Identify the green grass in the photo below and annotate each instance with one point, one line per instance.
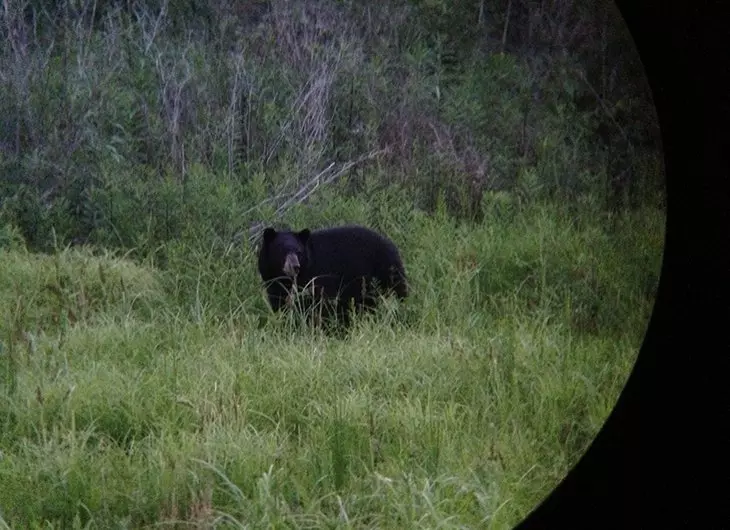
(172, 398)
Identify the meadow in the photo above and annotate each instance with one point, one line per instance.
(140, 393)
(510, 149)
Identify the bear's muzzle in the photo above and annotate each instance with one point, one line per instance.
(291, 265)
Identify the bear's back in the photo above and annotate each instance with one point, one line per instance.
(345, 253)
(352, 243)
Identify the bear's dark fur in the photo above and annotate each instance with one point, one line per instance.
(346, 265)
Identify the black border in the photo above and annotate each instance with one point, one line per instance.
(660, 459)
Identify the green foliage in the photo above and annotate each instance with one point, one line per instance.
(174, 395)
(143, 377)
(70, 286)
(11, 238)
(152, 99)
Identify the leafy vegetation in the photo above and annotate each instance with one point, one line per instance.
(176, 396)
(508, 148)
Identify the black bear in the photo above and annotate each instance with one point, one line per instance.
(348, 266)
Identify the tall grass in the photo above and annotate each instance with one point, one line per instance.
(173, 397)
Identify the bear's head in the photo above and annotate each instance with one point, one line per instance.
(284, 253)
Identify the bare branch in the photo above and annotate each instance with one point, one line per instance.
(323, 178)
(143, 18)
(506, 25)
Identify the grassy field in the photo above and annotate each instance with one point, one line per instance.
(134, 395)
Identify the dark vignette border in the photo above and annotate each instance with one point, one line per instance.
(661, 453)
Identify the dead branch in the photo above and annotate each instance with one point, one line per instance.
(323, 178)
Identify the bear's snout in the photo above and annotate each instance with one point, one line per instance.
(291, 265)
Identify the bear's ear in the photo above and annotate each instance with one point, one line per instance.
(269, 235)
(303, 236)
